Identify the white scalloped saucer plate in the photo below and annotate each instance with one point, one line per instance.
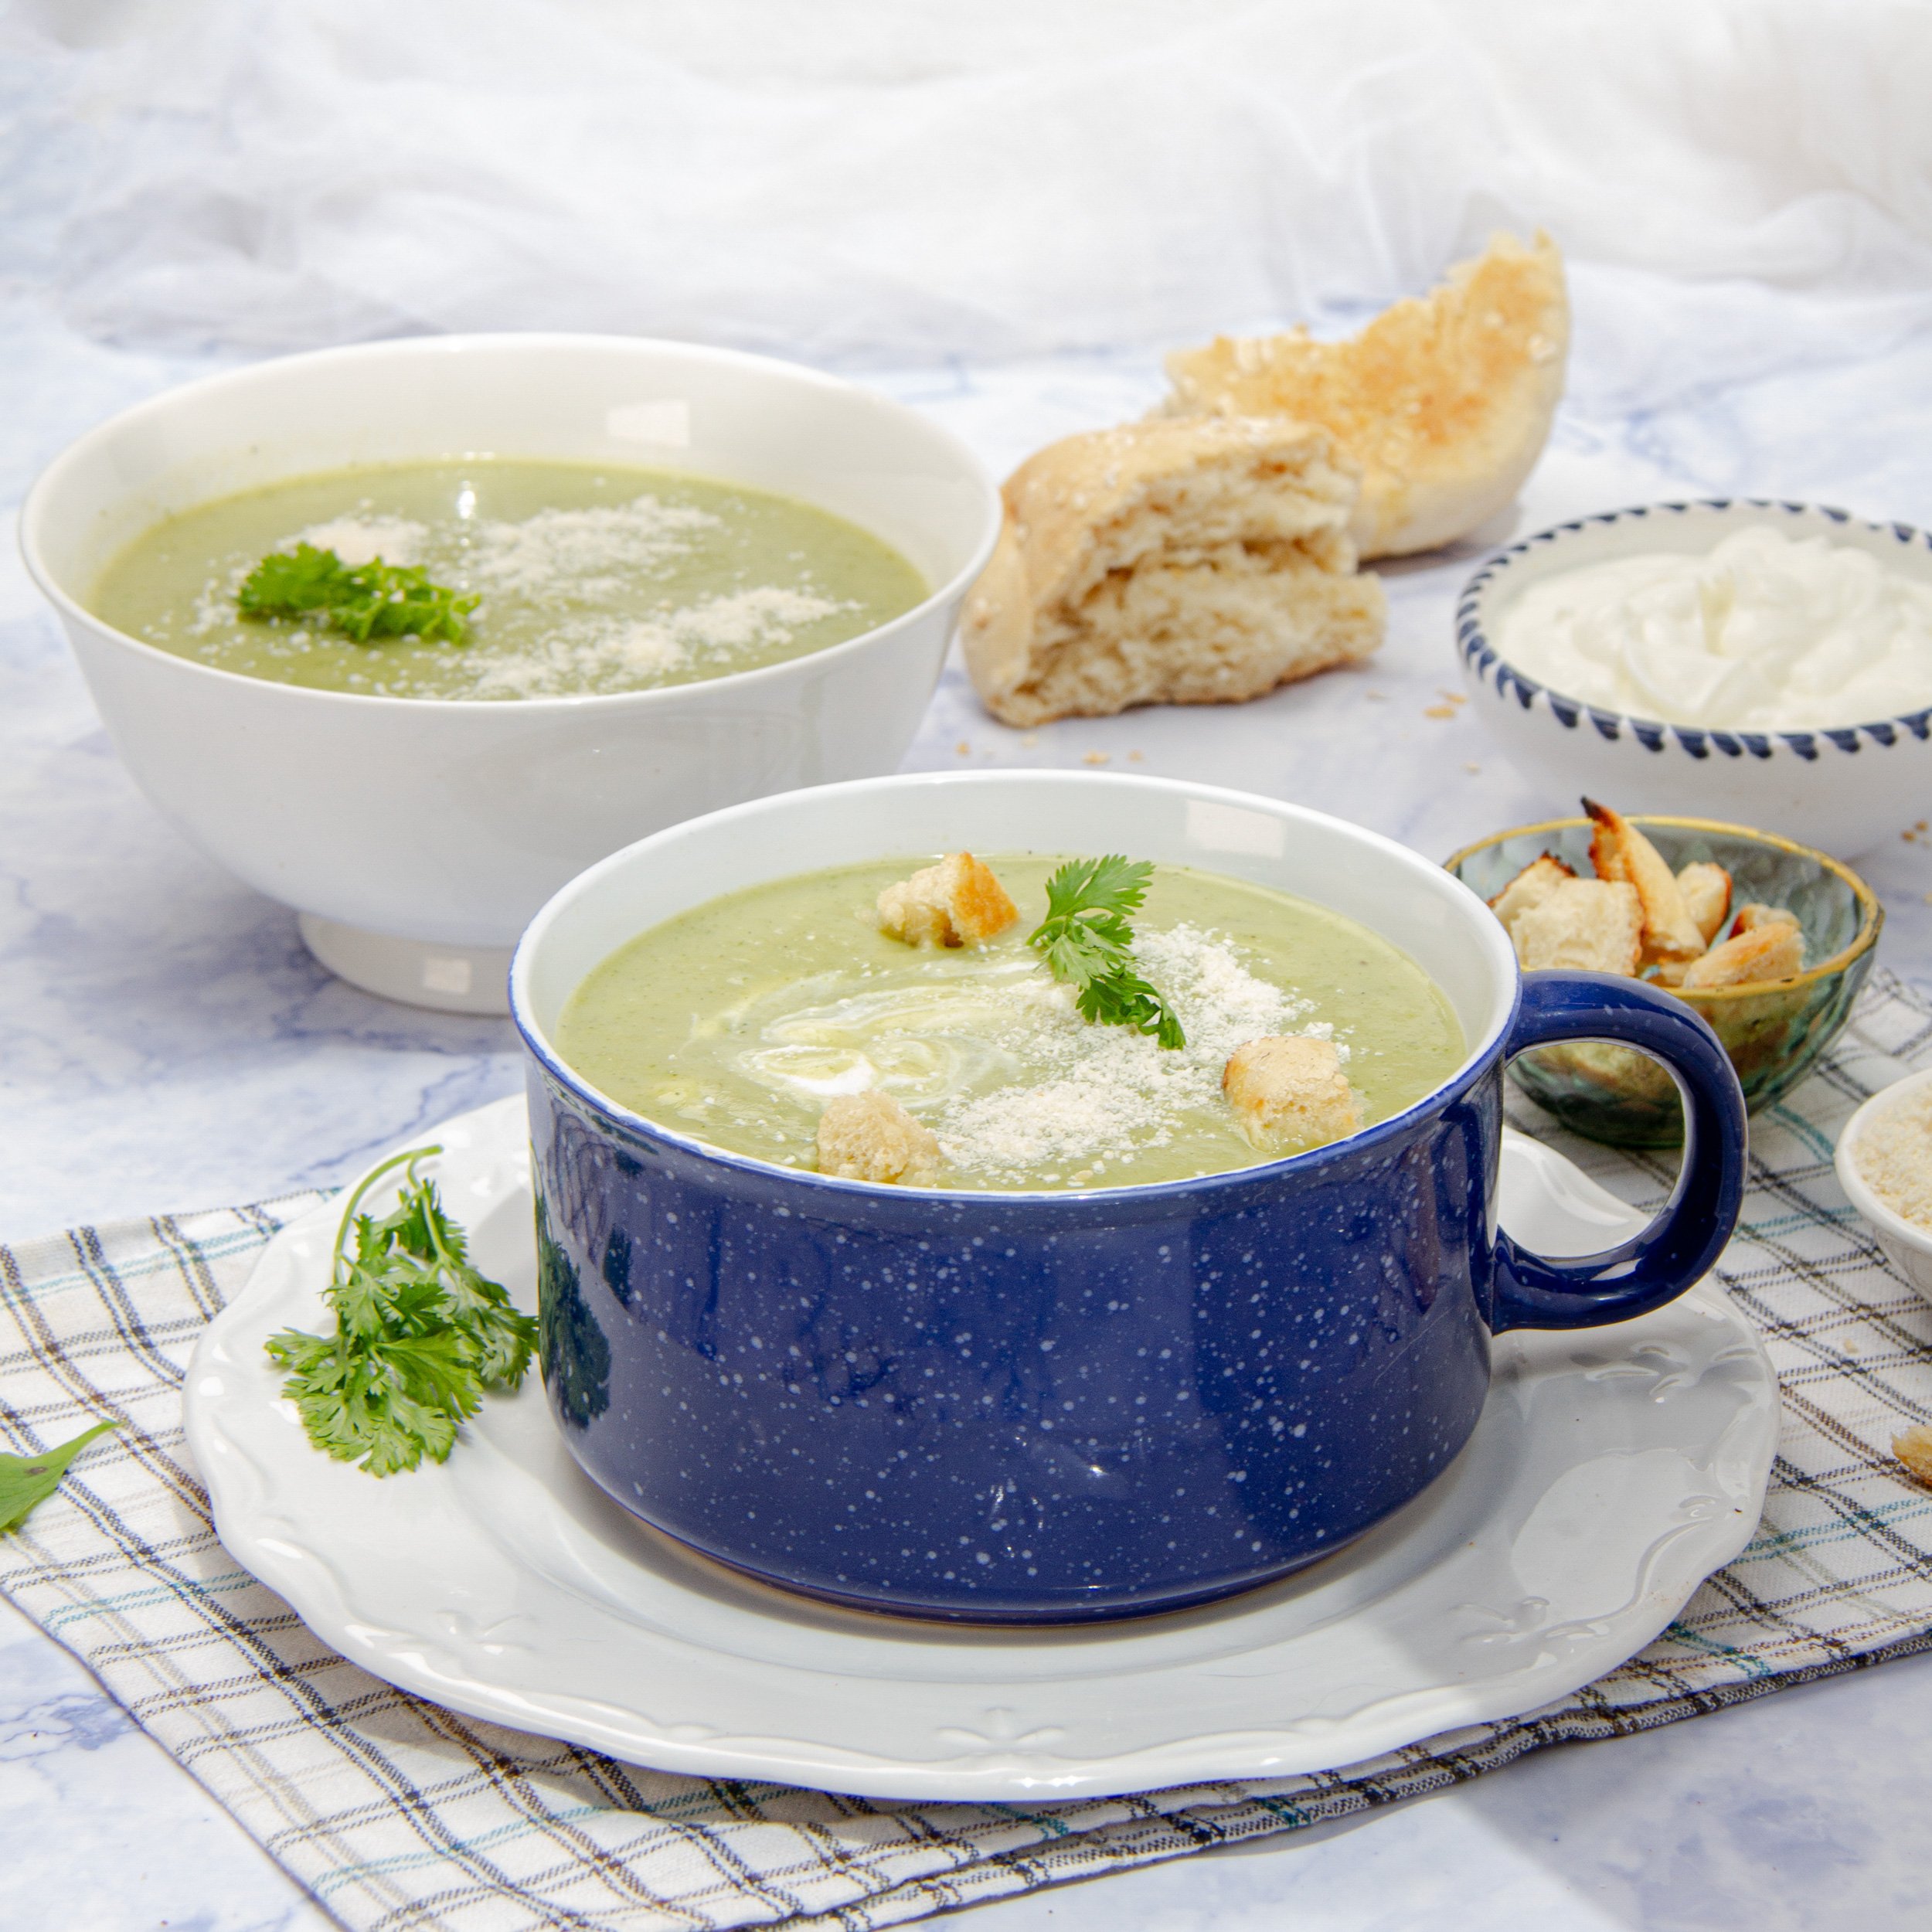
(1612, 1470)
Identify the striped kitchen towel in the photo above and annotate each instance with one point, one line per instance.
(396, 1813)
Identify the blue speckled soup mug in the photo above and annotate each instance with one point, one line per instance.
(1047, 1407)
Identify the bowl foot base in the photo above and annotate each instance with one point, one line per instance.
(418, 972)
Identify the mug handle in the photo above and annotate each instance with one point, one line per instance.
(1678, 1248)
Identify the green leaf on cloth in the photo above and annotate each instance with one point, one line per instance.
(27, 1482)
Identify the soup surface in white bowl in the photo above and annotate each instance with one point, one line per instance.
(586, 579)
(735, 1022)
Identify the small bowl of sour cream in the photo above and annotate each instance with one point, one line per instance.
(1767, 663)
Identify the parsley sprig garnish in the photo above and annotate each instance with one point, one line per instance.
(374, 600)
(1087, 942)
(420, 1334)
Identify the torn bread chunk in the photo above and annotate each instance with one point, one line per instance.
(1289, 1093)
(1707, 895)
(1913, 1447)
(1774, 951)
(1593, 925)
(1177, 561)
(1755, 913)
(1445, 401)
(1529, 889)
(959, 902)
(870, 1137)
(1621, 853)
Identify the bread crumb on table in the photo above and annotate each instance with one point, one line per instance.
(1913, 1447)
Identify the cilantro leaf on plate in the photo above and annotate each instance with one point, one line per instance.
(420, 1334)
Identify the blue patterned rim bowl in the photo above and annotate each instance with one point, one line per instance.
(1052, 1407)
(1843, 790)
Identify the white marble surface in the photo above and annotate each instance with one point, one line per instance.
(165, 1041)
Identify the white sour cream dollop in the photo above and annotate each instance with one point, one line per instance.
(1759, 634)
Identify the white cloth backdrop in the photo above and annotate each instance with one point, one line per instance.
(850, 180)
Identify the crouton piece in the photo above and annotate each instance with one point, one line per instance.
(1529, 887)
(1668, 972)
(1620, 852)
(1445, 401)
(1775, 950)
(1755, 913)
(1201, 561)
(870, 1137)
(1914, 1448)
(957, 902)
(1594, 924)
(1707, 895)
(1288, 1093)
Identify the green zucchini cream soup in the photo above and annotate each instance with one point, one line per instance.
(957, 1025)
(567, 580)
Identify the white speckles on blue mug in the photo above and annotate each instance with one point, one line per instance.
(1048, 1407)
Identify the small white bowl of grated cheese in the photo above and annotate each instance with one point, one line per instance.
(1884, 1165)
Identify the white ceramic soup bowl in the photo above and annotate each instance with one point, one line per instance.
(1843, 790)
(417, 837)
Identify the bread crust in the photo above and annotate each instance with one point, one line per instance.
(1707, 895)
(1174, 561)
(958, 902)
(1754, 912)
(1591, 925)
(1445, 400)
(1620, 852)
(1771, 951)
(870, 1137)
(1529, 889)
(1288, 1093)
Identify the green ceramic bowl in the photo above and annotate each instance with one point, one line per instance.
(1774, 1030)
